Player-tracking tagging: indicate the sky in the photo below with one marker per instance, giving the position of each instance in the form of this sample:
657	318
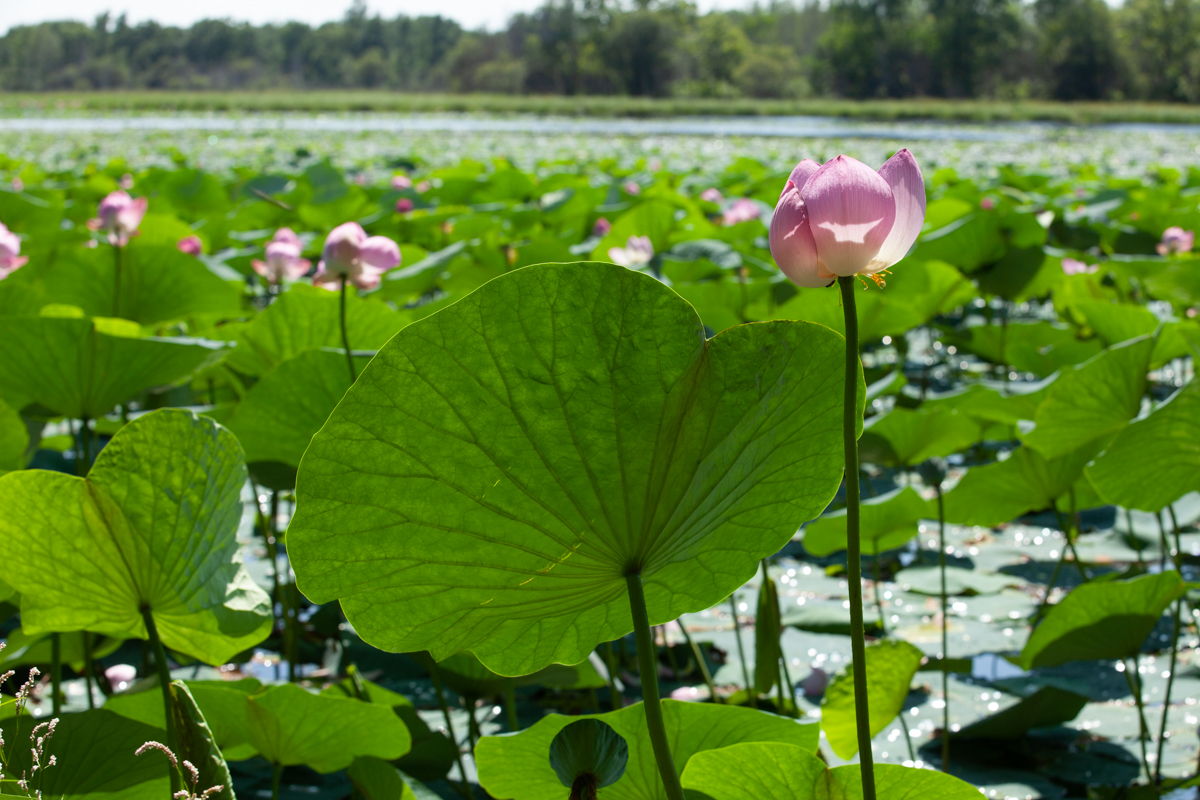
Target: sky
490	14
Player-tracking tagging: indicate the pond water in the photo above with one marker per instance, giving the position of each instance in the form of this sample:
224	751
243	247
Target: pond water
371	141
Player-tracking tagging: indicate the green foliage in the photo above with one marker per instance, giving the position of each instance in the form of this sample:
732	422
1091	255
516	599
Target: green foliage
91	553
891	665
885	522
583	465
517	766
786	772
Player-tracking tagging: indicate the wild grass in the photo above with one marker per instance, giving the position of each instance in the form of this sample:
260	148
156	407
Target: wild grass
401	102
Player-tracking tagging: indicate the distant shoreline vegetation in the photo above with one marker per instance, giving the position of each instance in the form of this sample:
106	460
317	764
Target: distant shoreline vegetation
383	101
611	56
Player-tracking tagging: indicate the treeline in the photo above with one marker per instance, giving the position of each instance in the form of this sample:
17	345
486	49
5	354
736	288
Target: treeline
997	49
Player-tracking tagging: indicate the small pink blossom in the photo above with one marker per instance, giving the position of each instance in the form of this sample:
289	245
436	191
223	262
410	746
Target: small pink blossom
191	245
814	685
637	252
18	185
655	165
1072	266
119	215
360	179
404	205
1176	240
11	259
987	204
400	182
712	195
126	182
423	186
120	675
283	258
742	210
359	258
632	188
601	227
1133	215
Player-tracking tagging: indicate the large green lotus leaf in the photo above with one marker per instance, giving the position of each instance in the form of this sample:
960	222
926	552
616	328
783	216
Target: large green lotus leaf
376	779
876	317
784	772
1045	708
1097	399
1018	402
94	757
76	369
1119	322
305	318
1007	489
432	752
1156	460
968	242
517	767
885	522
14	438
1037	347
196	744
277	418
891	665
154	524
906	437
500	466
289	726
21	649
928	580
158	283
223	704
1105	620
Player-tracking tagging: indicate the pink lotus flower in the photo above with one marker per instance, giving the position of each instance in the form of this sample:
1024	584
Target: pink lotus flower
18	185
632	188
120	675
11	259
423	187
742	210
601	228
404	205
401	182
361	259
712	195
987	204
1072	266
360	179
283	258
844	218
126	182
1176	240
119	215
637	252
191	245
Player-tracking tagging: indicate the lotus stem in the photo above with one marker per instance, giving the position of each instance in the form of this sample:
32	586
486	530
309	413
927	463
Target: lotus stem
1162	729
945	633
1135	686
164	680
648	671
510	705
875	582
751	690
614	697
345	336
89	669
276	774
791	687
56	672
435	675
853	549
117	281
700	662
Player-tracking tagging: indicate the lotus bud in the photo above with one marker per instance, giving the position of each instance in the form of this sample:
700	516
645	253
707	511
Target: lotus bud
1072	266
842	218
1176	240
637	252
119	215
632	188
601	228
400	182
712	195
191	245
361	259
404	205
742	210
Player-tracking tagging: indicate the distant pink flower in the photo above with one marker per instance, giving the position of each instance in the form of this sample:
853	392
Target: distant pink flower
814	685
423	187
844	218
283	258
1176	240
742	210
655	165
987	204
191	245
11	259
361	259
401	182
18	185
126	182
1133	215
404	205
1072	266
632	188
119	216
361	179
637	252
712	195
120	675
601	228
